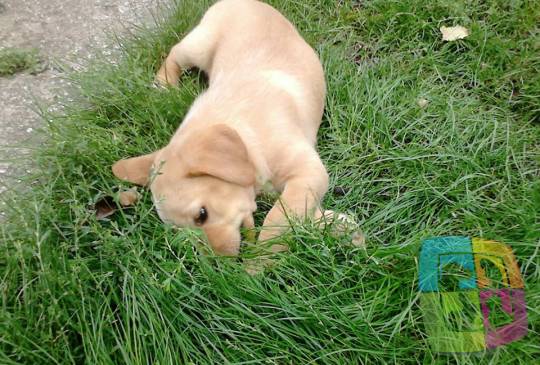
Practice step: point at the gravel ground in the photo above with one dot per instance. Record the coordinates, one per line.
(67, 32)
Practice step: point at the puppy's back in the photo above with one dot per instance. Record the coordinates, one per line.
(252, 33)
(253, 38)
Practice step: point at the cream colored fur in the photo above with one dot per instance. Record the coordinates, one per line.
(255, 125)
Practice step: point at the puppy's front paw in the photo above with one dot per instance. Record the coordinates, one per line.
(257, 265)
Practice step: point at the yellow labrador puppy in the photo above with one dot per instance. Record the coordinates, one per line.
(255, 126)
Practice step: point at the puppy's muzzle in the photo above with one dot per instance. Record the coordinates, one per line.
(225, 239)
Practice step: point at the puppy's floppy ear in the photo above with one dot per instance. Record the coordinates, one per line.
(220, 152)
(135, 170)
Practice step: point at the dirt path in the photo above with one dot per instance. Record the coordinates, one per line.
(71, 32)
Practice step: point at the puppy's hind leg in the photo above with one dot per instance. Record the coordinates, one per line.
(195, 50)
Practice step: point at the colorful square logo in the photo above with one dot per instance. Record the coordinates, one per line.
(472, 294)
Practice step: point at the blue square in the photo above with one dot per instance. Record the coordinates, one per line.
(436, 253)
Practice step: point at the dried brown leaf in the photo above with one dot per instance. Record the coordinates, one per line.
(453, 33)
(422, 103)
(105, 207)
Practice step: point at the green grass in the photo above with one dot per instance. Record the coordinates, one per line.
(132, 290)
(13, 60)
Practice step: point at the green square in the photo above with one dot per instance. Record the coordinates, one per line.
(453, 321)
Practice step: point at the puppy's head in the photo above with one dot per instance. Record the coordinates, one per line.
(204, 179)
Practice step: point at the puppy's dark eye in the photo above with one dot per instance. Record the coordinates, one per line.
(202, 217)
